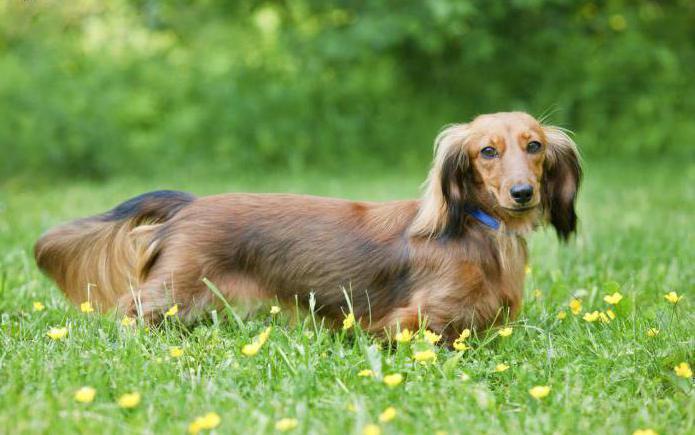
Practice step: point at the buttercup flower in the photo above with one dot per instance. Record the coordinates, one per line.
(348, 321)
(274, 309)
(251, 349)
(645, 432)
(175, 351)
(127, 321)
(505, 332)
(285, 424)
(57, 333)
(129, 400)
(603, 318)
(683, 370)
(591, 317)
(673, 297)
(431, 337)
(575, 306)
(404, 336)
(263, 336)
(610, 314)
(172, 311)
(528, 269)
(613, 299)
(388, 414)
(460, 345)
(85, 394)
(537, 293)
(371, 429)
(501, 367)
(425, 356)
(465, 334)
(208, 421)
(38, 306)
(652, 332)
(86, 307)
(539, 391)
(393, 379)
(365, 373)
(561, 315)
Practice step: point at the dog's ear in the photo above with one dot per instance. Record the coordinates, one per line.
(561, 178)
(446, 188)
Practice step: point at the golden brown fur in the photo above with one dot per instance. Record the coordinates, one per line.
(397, 260)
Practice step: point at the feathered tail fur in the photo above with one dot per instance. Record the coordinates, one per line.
(100, 258)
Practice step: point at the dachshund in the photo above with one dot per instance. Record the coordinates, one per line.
(455, 258)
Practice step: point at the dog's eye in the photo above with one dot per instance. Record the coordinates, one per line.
(533, 147)
(489, 152)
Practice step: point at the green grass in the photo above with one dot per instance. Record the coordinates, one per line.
(636, 231)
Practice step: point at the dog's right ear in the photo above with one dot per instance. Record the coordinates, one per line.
(446, 189)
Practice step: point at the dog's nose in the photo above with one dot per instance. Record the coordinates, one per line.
(521, 193)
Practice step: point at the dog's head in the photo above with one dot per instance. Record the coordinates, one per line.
(506, 164)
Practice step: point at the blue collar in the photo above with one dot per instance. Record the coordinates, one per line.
(483, 218)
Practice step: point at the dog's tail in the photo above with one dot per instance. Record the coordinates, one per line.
(99, 258)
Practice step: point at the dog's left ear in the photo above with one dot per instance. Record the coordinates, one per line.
(561, 178)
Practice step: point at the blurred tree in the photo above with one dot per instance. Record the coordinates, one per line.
(90, 88)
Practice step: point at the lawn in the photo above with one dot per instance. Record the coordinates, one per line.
(636, 237)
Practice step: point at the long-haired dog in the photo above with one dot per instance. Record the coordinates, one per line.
(456, 257)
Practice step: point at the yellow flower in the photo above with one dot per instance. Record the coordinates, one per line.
(57, 333)
(388, 414)
(673, 297)
(465, 334)
(208, 421)
(528, 269)
(38, 306)
(591, 317)
(561, 315)
(610, 313)
(539, 391)
(505, 332)
(285, 424)
(366, 373)
(172, 311)
(460, 345)
(85, 394)
(263, 336)
(371, 429)
(645, 432)
(425, 356)
(393, 380)
(86, 307)
(274, 309)
(129, 400)
(127, 321)
(348, 321)
(251, 349)
(431, 337)
(683, 370)
(175, 351)
(575, 306)
(652, 332)
(603, 318)
(537, 293)
(501, 367)
(404, 336)
(613, 299)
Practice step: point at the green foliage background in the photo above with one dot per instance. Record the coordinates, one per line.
(94, 89)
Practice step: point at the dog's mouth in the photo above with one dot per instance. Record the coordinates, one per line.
(520, 209)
